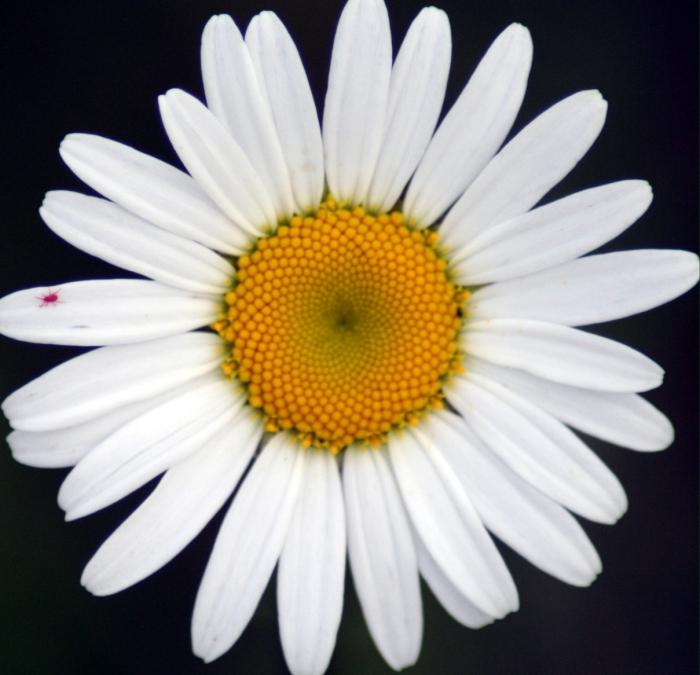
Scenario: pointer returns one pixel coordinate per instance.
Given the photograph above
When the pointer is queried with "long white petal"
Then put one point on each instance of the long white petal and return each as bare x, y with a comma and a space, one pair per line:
457, 605
356, 101
66, 447
474, 128
148, 445
527, 167
591, 290
217, 162
153, 190
382, 556
562, 354
102, 380
553, 234
625, 419
107, 231
540, 530
448, 525
539, 448
235, 96
184, 501
246, 549
104, 312
282, 76
416, 93
311, 571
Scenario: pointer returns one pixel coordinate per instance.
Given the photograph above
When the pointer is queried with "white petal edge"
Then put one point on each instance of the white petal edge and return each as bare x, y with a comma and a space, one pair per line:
282, 76
247, 548
473, 129
625, 419
591, 290
527, 167
311, 570
355, 110
148, 445
539, 449
237, 99
460, 608
110, 233
543, 532
153, 190
449, 527
217, 162
382, 556
103, 312
552, 234
102, 380
562, 354
416, 93
184, 501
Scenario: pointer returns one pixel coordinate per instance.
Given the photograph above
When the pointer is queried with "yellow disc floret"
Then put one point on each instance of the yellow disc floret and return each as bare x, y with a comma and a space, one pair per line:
343, 325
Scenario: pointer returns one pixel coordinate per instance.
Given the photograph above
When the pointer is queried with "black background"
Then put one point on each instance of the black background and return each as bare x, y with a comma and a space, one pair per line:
98, 67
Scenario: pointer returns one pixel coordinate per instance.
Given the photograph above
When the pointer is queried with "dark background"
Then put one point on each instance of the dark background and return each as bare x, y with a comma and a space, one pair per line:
98, 67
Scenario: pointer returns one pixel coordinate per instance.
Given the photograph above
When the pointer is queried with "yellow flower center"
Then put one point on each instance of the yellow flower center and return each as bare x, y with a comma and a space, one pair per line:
343, 325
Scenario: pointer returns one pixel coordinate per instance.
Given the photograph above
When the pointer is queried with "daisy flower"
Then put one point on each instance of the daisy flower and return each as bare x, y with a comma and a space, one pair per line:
368, 328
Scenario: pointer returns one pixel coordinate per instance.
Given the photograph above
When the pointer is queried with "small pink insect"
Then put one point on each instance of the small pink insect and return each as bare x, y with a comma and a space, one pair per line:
49, 298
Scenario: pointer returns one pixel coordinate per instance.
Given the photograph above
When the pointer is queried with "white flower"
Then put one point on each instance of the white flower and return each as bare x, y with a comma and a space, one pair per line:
341, 329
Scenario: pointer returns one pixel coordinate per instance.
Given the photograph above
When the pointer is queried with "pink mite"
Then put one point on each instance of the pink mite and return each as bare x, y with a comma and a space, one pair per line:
49, 298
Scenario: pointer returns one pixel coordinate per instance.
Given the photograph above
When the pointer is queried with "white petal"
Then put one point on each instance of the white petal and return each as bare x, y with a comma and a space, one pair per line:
184, 501
217, 162
148, 445
382, 557
281, 74
552, 234
356, 101
235, 96
625, 419
539, 448
153, 190
102, 380
562, 354
448, 525
537, 528
591, 290
416, 93
459, 607
311, 571
246, 549
527, 167
474, 128
66, 447
107, 231
104, 312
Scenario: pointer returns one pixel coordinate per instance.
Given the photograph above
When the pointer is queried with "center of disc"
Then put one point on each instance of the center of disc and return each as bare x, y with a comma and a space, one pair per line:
345, 319
343, 326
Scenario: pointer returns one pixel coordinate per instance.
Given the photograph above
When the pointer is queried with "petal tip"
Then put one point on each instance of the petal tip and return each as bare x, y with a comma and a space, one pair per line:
668, 436
206, 652
71, 141
90, 582
599, 100
267, 15
519, 29
517, 36
435, 13
48, 198
584, 581
72, 515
